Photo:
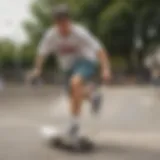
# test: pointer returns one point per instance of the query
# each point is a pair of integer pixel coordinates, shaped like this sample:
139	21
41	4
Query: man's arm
104	64
39	61
104	60
90	41
37	69
44	48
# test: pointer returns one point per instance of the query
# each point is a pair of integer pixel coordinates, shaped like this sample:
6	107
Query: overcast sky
12	13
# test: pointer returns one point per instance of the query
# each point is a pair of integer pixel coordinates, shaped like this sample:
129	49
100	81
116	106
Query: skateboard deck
54	139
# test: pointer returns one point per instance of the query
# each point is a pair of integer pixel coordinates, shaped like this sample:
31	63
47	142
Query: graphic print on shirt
65	48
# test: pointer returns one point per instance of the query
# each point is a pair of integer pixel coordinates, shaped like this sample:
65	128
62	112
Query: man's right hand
35	73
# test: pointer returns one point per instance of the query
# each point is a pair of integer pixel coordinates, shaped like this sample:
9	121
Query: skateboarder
79	54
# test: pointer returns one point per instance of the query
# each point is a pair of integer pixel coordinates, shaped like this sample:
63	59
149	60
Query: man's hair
61	11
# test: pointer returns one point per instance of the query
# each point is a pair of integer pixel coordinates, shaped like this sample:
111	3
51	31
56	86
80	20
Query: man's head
62	18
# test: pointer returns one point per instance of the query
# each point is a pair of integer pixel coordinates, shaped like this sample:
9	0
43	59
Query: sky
12	14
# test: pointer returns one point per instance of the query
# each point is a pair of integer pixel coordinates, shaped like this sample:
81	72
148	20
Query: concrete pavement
126	129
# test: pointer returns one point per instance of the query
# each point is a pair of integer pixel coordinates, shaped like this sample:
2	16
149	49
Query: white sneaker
71	135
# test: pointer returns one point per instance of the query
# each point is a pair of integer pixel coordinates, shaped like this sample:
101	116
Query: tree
7	53
125	27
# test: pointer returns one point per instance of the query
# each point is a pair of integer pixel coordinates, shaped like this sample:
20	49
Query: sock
74	127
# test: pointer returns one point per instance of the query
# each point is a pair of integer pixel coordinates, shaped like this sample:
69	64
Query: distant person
79	54
152	62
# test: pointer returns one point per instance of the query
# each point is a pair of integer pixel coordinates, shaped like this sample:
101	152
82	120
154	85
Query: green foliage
116	22
7	52
27	54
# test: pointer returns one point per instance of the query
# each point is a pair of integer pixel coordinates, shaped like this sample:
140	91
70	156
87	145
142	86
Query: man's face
63	26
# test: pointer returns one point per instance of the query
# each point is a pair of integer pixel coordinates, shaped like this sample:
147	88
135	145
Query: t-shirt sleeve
88	40
46	45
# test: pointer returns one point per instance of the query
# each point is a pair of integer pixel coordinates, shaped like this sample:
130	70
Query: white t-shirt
79	44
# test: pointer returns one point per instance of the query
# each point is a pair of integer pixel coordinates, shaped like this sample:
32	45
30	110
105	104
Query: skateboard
82	144
54	139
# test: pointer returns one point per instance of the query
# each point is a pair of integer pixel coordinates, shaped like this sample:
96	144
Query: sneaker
71	136
96	103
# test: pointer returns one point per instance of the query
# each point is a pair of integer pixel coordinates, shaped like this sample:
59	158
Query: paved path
127	128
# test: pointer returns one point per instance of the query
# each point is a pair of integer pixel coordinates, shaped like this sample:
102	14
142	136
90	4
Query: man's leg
93	93
91	88
76	96
82	72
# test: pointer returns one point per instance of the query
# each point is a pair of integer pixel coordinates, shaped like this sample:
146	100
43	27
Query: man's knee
76	82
